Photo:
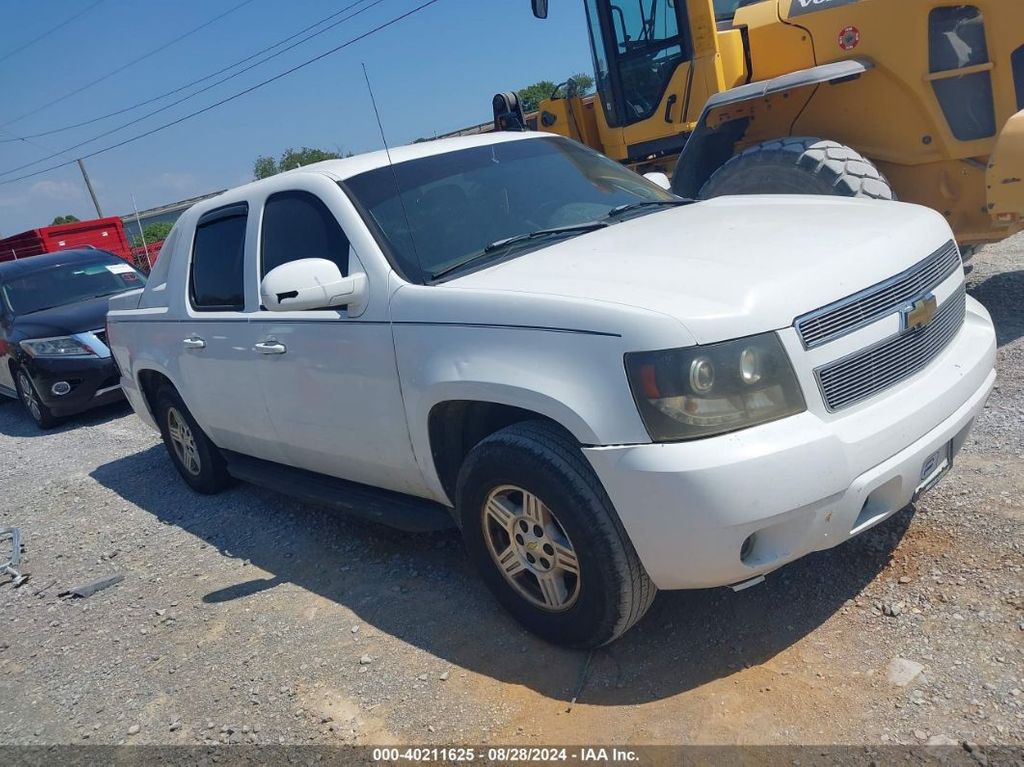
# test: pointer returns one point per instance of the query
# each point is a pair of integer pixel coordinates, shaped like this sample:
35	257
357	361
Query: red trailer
143	257
103	233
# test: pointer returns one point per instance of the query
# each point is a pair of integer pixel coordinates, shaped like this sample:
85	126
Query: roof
47	260
343	168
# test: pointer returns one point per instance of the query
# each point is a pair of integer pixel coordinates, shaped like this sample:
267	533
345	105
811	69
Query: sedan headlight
62	346
704	390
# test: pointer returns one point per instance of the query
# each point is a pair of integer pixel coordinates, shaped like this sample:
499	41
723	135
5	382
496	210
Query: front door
330	379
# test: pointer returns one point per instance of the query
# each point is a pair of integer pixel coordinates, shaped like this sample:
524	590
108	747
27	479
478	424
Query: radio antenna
394	175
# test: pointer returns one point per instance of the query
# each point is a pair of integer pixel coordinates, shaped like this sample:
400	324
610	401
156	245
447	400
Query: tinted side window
218	255
298	225
956	40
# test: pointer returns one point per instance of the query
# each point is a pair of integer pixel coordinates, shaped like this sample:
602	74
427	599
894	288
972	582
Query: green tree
292	158
584	83
154	232
532	95
264	167
68	219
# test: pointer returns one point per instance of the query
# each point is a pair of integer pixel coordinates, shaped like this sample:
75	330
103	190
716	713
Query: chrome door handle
270	347
194	343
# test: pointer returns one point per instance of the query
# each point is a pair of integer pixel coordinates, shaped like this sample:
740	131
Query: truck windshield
458	203
69	283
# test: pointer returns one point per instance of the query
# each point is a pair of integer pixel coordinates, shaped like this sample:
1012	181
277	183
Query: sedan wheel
183	442
40	413
28	396
531	548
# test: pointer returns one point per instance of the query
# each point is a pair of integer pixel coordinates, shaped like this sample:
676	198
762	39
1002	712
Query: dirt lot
248	617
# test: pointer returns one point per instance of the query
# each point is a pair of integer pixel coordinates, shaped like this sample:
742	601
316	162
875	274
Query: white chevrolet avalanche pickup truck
608	389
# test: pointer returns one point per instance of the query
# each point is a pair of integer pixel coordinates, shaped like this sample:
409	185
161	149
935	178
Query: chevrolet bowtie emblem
920	313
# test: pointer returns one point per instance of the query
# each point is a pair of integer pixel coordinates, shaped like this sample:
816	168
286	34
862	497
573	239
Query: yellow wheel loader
920	100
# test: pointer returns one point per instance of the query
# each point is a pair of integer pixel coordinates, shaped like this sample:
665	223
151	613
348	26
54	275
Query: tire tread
828	164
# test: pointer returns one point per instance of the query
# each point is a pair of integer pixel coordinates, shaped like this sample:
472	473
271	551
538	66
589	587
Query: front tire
196	458
37	410
799	166
546	539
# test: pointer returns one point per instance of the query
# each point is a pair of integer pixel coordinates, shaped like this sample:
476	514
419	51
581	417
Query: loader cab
637	46
653	73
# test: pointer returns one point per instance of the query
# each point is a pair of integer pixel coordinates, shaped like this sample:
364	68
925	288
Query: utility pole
92	192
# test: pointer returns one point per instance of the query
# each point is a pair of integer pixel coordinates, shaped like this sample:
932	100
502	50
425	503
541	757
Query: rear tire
799	166
546	539
196	458
37	410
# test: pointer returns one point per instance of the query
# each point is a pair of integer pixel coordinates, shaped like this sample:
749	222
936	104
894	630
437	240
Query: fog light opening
747	547
60	388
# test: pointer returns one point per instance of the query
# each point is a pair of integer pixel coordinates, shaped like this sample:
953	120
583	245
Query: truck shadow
421	590
1003	295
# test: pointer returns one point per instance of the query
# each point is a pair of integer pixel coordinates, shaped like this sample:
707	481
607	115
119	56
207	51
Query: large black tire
201	465
799	166
37	410
613	591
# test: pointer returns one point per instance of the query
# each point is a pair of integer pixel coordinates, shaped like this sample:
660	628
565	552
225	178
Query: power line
123	67
32	143
191	95
49	32
196	81
232	97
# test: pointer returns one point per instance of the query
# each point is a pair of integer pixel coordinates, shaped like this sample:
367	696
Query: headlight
705	390
63	346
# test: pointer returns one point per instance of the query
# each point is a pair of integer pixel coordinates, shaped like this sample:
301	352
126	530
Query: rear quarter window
216	276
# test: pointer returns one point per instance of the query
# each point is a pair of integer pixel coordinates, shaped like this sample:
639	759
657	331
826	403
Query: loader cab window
956	41
637	44
726	9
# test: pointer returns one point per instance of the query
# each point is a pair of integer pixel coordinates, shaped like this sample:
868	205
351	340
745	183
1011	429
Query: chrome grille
871	370
848	314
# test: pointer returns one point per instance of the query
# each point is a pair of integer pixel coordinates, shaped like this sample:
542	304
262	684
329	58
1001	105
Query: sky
433	72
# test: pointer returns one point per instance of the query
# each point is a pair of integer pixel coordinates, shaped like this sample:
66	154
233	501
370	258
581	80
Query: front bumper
94	382
798	485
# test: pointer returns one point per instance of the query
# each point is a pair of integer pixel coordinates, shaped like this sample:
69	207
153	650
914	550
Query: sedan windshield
459	205
69	283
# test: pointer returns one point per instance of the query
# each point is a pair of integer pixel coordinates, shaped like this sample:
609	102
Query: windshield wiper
629	207
488	250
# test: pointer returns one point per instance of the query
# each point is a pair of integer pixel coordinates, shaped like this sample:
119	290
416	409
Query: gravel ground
250	618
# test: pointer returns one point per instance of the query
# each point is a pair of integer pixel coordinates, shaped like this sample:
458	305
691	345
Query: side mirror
312	283
660	179
540	9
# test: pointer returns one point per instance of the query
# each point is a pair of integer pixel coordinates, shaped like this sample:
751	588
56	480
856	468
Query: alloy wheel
183	442
28	396
531	548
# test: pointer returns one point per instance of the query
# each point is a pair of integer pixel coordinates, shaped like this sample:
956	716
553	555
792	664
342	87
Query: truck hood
63	320
731	266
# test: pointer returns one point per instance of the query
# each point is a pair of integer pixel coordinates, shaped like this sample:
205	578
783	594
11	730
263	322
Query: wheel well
150	382
456	427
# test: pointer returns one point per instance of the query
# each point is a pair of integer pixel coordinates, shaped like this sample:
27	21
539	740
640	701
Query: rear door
330	378
217	362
